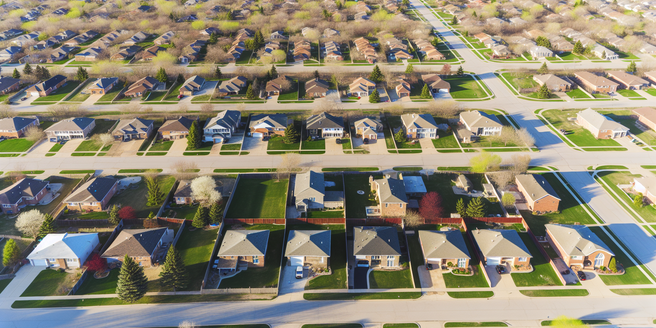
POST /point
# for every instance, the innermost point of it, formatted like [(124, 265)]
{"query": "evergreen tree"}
[(48, 225), (543, 92), (638, 200), (215, 213), (612, 265), (376, 75), (409, 70), (460, 71), (399, 136), (631, 69), (27, 70), (213, 38), (326, 14), (180, 78), (16, 74), (374, 97), (194, 139), (200, 219), (291, 135), (339, 5), (454, 20), (578, 48), (10, 253), (82, 74), (425, 92), (474, 14), (161, 75), (461, 208), (435, 41), (217, 72), (543, 41), (476, 208), (155, 194), (543, 69), (250, 93), (259, 39), (45, 72), (174, 272), (603, 55), (132, 281), (114, 219), (273, 72)]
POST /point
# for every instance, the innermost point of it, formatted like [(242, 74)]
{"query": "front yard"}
[(51, 283), (390, 279), (58, 94), (624, 117), (259, 198), (575, 133), (336, 280), (465, 87), (543, 274), (15, 145), (647, 212), (633, 275)]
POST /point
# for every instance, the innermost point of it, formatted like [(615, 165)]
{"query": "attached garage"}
[(257, 135), (296, 260), (493, 260), (39, 262)]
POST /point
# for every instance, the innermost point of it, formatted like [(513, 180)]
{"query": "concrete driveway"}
[(255, 146), (68, 147), (332, 148), (289, 283), (178, 147), (92, 99), (427, 146), (126, 148), (360, 278), (41, 149)]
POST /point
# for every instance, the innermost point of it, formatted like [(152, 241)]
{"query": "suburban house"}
[(278, 85), (646, 186), (368, 128), (628, 81), (402, 88), (325, 125), (264, 125), (165, 38), (63, 250), (8, 84), (182, 194), (376, 246), (316, 88), (578, 246), (391, 197), (651, 76), (71, 128), (595, 83), (435, 83), (61, 53), (45, 88), (125, 53), (361, 87), (646, 116), (89, 54), (553, 82), (93, 195), (102, 85), (191, 85), (242, 249), (139, 88), (540, 52), (480, 123), (310, 193), (15, 127), (540, 196), (232, 86), (136, 38), (10, 53), (82, 38), (444, 248), (419, 126), (599, 125), (175, 129), (151, 53), (308, 248), (222, 126), (502, 247), (136, 128), (144, 246), (463, 182), (25, 192)]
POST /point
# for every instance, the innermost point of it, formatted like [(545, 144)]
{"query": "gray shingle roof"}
[(500, 243), (226, 119), (536, 186), (15, 123), (93, 190), (376, 241), (133, 126), (391, 191), (308, 243), (50, 83), (600, 121), (576, 239), (420, 121), (135, 242), (104, 82), (368, 123), (275, 120), (477, 119), (180, 124), (443, 244), (309, 180), (71, 124), (244, 243), (7, 82), (324, 120), (27, 187)]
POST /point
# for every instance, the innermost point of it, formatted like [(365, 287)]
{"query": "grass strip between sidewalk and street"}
[(360, 296)]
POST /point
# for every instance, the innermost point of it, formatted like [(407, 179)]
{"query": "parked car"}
[(365, 141), (338, 141), (180, 96), (24, 98), (582, 276), (299, 272), (501, 269)]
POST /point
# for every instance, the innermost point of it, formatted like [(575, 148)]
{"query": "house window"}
[(256, 260), (599, 260), (462, 263), (521, 259), (375, 257), (390, 261), (577, 257), (312, 199), (401, 205)]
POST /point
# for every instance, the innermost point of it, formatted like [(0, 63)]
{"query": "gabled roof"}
[(647, 113), (576, 239), (595, 80), (550, 79), (500, 243), (316, 86), (27, 187), (443, 244), (193, 83), (536, 186), (421, 121), (133, 126), (135, 242), (599, 121), (94, 190), (324, 120), (65, 246), (146, 83), (233, 85), (244, 243), (104, 82), (16, 123), (7, 82), (226, 118), (391, 191), (180, 124), (308, 243), (627, 78), (309, 180), (50, 83), (274, 121), (376, 241), (368, 123), (71, 124), (477, 119)]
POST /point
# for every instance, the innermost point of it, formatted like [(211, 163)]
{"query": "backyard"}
[(136, 196), (195, 250), (259, 198), (356, 202), (624, 117)]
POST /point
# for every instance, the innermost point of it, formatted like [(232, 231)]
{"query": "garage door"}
[(257, 135), (296, 261), (39, 262), (493, 260)]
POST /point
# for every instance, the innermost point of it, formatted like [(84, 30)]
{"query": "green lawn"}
[(15, 145), (523, 81), (60, 93), (633, 275), (629, 93), (137, 197), (337, 280), (613, 178), (259, 198), (576, 134), (159, 299), (4, 283), (195, 250), (390, 279), (476, 324), (361, 296), (266, 276), (587, 322), (231, 147), (470, 294), (315, 144), (624, 117), (102, 126), (635, 291), (186, 212), (543, 274), (55, 148), (446, 140), (276, 143), (89, 145), (578, 94), (46, 283), (66, 189), (555, 292), (355, 203), (465, 87), (112, 93), (99, 286), (160, 145)]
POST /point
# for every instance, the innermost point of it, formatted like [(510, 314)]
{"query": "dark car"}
[(365, 141), (582, 276), (501, 269), (338, 141)]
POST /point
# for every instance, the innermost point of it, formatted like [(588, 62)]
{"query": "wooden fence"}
[(215, 250), (544, 253), (264, 290), (255, 221)]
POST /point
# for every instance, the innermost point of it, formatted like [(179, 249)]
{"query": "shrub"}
[(127, 213), (612, 265)]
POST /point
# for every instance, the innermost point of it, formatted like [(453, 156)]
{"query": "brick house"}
[(102, 85), (578, 246), (264, 125), (540, 196), (71, 128), (144, 246), (646, 116), (553, 82), (92, 196), (8, 84), (45, 88), (191, 85), (139, 88), (502, 247), (89, 54), (243, 249), (278, 85), (600, 126), (175, 129), (64, 250), (232, 86), (419, 126), (325, 125), (441, 248), (628, 81), (316, 88), (376, 247), (646, 186), (25, 192), (15, 127), (136, 128), (391, 197), (595, 83), (368, 128), (361, 87), (435, 83), (308, 248)]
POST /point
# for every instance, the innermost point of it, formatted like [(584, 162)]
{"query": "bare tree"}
[(104, 139), (444, 108), (29, 222), (502, 178), (288, 163), (6, 111), (203, 189), (520, 163), (525, 137), (412, 219), (34, 133), (330, 103), (206, 110), (184, 170)]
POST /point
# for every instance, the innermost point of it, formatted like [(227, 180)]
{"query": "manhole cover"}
[(360, 192)]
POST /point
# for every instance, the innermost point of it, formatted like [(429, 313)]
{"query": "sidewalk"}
[(17, 286)]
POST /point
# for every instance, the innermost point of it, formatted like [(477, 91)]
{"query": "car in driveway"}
[(581, 276), (500, 269), (299, 272)]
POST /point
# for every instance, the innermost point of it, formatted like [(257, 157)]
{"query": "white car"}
[(299, 272)]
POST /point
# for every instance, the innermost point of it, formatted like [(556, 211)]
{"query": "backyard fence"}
[(232, 194), (79, 283), (177, 236), (544, 253), (215, 249), (169, 196), (255, 221), (264, 290), (317, 221), (7, 276)]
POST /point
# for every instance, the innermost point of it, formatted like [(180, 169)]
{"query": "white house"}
[(480, 123), (222, 126), (64, 250)]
